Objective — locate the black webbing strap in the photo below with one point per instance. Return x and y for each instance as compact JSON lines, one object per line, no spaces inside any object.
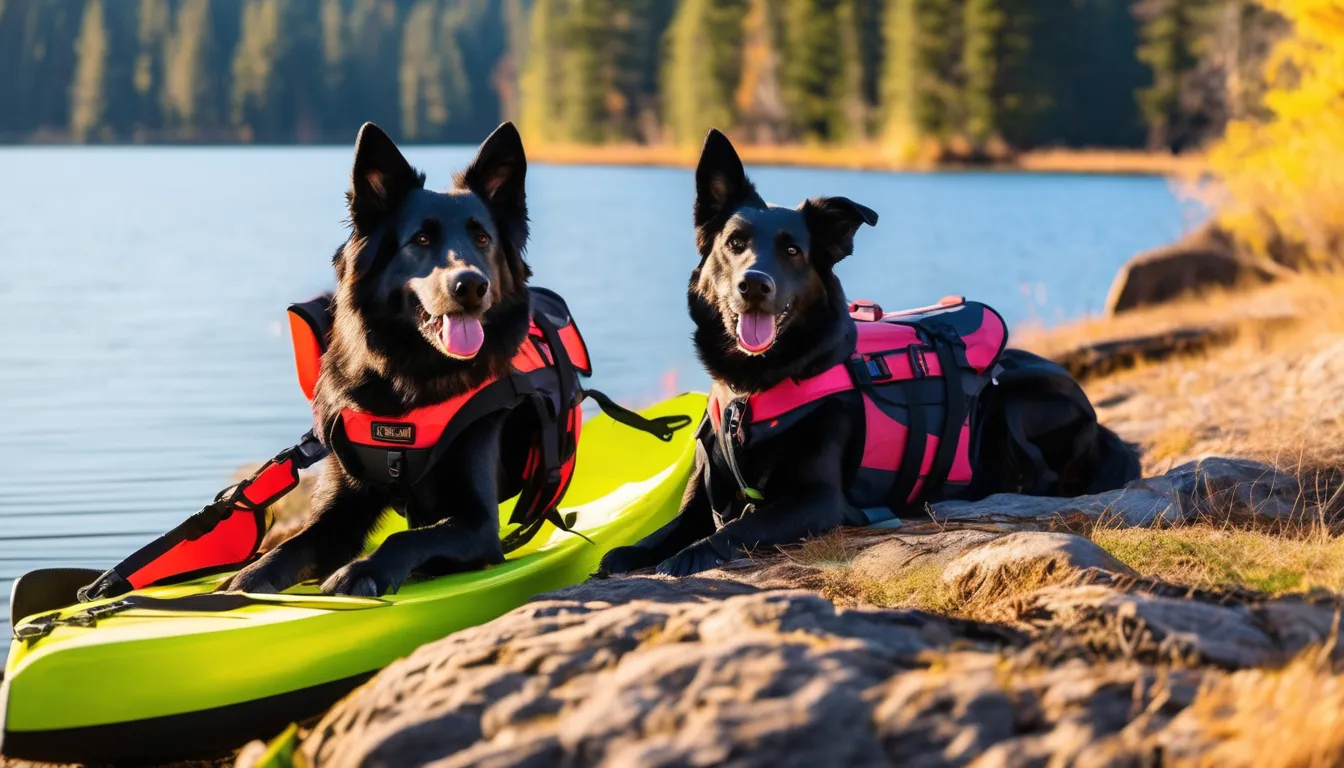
{"x":662,"y":427}
{"x":954,"y":410}
{"x":209,"y":602}
{"x":912,"y":458}
{"x":730,"y":423}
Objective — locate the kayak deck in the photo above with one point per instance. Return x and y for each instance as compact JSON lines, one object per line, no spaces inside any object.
{"x":154,"y":684}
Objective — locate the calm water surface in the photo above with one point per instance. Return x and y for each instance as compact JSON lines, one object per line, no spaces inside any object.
{"x":144,"y":355}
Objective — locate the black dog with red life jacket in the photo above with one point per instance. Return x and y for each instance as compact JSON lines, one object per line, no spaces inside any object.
{"x":431,"y":305}
{"x":440,"y":382}
{"x":824,"y":414}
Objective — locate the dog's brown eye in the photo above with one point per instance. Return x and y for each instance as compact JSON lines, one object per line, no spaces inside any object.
{"x":482,"y":239}
{"x":421,"y":239}
{"x":794,"y":250}
{"x":736,"y":244}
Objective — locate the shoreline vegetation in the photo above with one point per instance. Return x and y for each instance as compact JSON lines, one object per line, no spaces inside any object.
{"x":875,"y":157}
{"x":865,"y":157}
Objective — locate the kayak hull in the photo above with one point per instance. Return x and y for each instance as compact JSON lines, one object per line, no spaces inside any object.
{"x":146,"y":684}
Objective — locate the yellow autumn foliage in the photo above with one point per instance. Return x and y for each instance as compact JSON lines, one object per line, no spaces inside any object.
{"x":1283,"y":176}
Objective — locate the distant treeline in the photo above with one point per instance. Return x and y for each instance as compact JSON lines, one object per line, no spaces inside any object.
{"x":967,"y":74}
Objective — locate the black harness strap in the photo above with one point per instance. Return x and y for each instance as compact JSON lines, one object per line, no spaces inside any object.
{"x":912,"y":458}
{"x":662,"y":427}
{"x":954,"y":409}
{"x":210,"y":602}
{"x":730,"y":425}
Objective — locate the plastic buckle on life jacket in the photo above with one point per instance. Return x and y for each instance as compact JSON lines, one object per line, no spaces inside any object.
{"x":865,"y":311}
{"x":877,"y":368}
{"x":395,"y":462}
{"x":735,"y":415}
{"x":918,"y":367}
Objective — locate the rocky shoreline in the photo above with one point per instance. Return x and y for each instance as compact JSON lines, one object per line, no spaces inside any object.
{"x":1058,"y":654}
{"x":1115,"y":629}
{"x":1053,"y":651}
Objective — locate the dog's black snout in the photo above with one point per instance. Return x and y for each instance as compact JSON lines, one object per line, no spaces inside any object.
{"x":755,"y":286}
{"x":469,"y":287}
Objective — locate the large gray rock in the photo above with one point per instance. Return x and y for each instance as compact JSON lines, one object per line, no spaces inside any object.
{"x":1022,"y":561}
{"x":971,"y":711}
{"x":1203,"y":259}
{"x":703,"y":673}
{"x":1216,"y":490}
{"x":1156,"y":622}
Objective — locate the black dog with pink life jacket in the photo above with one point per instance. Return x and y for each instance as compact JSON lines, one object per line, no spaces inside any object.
{"x":824,"y":413}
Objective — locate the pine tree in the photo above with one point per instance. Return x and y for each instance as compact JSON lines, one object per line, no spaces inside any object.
{"x":1174,"y":34}
{"x":372,"y":64}
{"x":153,"y":22}
{"x":89,"y":89}
{"x":759,"y":100}
{"x":921,"y":95}
{"x":899,"y":81}
{"x":508,"y":76}
{"x":251,"y":100}
{"x":187,"y":86}
{"x":704,"y":68}
{"x":1020,"y":94}
{"x":821,"y":77}
{"x":334,"y":50}
{"x":937,"y":56}
{"x":983,"y":20}
{"x":423,"y":106}
{"x":540,"y":100}
{"x":43,"y":65}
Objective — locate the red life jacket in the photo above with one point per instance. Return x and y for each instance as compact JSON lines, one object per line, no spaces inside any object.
{"x":917,"y":374}
{"x":398,"y":451}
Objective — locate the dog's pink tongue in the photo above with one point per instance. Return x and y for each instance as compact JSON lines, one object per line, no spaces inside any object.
{"x":756,"y":331}
{"x":462,"y":336}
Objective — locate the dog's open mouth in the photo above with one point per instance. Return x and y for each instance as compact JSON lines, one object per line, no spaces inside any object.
{"x":460,"y":336}
{"x":756,"y":331}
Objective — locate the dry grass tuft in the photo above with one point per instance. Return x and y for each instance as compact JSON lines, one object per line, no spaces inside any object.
{"x":1203,"y":556}
{"x":918,"y":586}
{"x":1291,"y":717}
{"x":831,"y":550}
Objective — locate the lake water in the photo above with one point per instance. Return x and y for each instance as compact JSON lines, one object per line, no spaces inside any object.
{"x":144,"y":355}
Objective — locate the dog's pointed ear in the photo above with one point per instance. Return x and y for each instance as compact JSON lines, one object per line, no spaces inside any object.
{"x":499,"y":172}
{"x":832,"y":222}
{"x":498,"y":175}
{"x":381,"y":178}
{"x":721,"y":183}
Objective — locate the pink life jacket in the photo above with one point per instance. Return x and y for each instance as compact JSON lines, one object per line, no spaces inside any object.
{"x":918,"y":374}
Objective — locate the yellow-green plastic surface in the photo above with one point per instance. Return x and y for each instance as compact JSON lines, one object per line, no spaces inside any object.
{"x":141,"y":663}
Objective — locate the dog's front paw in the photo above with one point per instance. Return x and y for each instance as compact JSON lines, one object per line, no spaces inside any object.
{"x":258,"y":578}
{"x":623,"y":560}
{"x":360,"y":579}
{"x":698,"y":557}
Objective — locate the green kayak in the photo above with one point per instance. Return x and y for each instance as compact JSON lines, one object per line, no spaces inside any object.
{"x":127,"y":679}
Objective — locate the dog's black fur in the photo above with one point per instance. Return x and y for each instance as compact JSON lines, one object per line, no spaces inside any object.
{"x":744,"y":244}
{"x":400,"y":273}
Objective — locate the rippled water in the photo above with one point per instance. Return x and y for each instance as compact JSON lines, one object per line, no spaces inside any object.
{"x":143,"y":352}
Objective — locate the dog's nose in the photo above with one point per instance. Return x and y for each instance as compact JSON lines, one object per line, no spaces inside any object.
{"x":755,"y":286}
{"x":469,"y":287}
